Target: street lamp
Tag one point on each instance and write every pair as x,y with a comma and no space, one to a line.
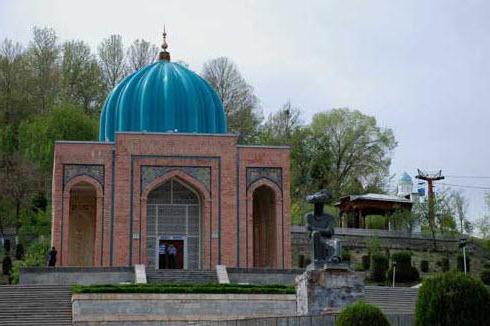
462,244
394,273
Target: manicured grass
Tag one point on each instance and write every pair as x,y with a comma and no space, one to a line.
185,288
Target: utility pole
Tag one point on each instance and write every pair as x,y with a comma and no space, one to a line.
430,178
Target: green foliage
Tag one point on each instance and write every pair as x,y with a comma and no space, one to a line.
366,262
485,276
424,266
336,137
37,137
460,263
452,299
36,256
443,264
185,288
358,267
379,266
361,314
375,222
405,272
374,245
345,255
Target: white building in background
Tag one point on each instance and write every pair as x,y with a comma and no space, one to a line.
405,189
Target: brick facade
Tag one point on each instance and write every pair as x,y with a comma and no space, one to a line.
123,173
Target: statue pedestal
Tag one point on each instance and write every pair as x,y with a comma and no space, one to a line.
323,291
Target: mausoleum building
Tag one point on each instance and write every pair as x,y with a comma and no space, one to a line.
166,172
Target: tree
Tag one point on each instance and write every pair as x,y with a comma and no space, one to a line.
111,61
347,152
483,223
19,178
281,125
81,76
14,103
140,54
43,54
68,122
241,105
459,207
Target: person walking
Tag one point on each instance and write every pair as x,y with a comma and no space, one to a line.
172,252
52,257
162,255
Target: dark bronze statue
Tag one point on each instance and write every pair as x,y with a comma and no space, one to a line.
321,227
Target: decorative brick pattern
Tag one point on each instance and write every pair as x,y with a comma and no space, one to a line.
150,173
272,174
95,171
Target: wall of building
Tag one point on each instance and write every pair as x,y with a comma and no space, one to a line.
124,172
172,309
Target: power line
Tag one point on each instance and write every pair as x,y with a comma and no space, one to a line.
465,186
468,176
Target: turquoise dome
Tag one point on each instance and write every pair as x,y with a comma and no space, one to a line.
162,97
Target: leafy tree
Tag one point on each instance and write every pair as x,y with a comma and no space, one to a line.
43,58
281,126
348,152
19,178
112,61
241,105
37,137
140,54
459,206
482,224
81,76
14,80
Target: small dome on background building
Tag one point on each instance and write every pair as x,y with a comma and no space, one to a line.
405,178
162,97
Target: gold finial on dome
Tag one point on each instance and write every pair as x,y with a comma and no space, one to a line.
164,55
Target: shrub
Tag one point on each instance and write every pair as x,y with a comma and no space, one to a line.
185,288
366,262
358,267
379,266
452,299
346,256
461,263
443,264
405,272
424,266
19,252
362,314
485,276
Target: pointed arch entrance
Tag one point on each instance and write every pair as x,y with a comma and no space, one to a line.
82,224
174,219
265,222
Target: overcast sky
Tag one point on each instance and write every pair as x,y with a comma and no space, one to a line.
420,67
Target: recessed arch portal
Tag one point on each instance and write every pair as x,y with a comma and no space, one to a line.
174,217
82,224
264,215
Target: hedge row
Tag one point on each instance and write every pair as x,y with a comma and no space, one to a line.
185,288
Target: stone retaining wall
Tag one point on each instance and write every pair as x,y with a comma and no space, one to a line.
176,309
76,275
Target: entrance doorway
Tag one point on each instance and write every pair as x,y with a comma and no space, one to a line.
174,254
81,235
174,218
264,230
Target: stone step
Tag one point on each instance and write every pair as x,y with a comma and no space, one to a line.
35,305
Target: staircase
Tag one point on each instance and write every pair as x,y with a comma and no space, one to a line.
180,276
392,300
35,305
